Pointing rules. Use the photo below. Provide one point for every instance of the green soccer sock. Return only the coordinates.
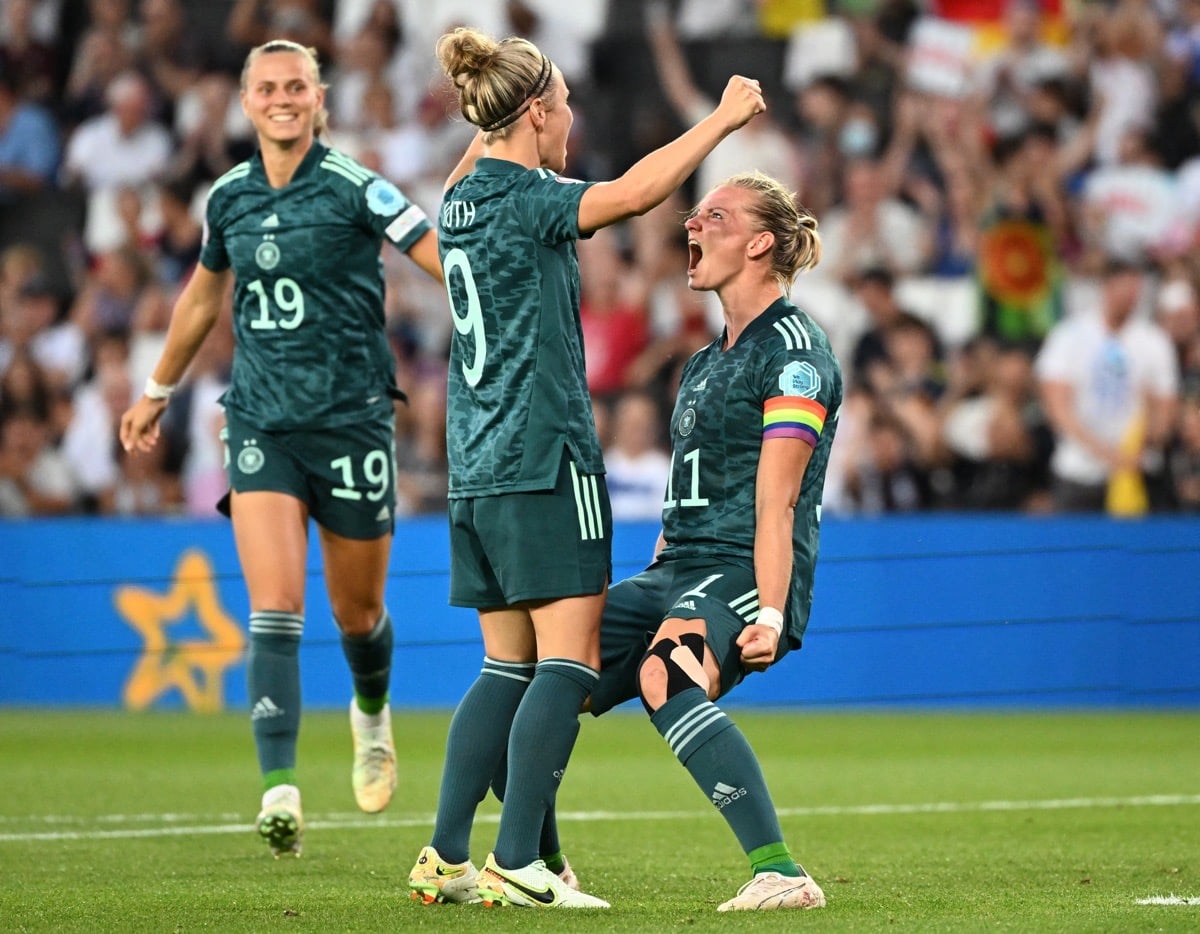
(475, 747)
(721, 762)
(370, 660)
(273, 687)
(549, 847)
(543, 735)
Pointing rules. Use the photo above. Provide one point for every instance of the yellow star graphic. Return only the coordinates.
(196, 667)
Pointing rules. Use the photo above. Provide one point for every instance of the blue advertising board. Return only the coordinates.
(961, 611)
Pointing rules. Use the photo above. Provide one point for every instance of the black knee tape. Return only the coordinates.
(677, 679)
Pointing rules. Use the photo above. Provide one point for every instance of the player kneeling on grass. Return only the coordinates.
(730, 588)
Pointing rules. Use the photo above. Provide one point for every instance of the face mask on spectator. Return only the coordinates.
(857, 138)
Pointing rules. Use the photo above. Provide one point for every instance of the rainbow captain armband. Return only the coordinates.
(794, 417)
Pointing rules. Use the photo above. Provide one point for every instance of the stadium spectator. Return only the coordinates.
(58, 346)
(1128, 207)
(28, 61)
(421, 469)
(887, 478)
(213, 133)
(1183, 463)
(764, 146)
(115, 293)
(871, 228)
(253, 22)
(106, 49)
(1022, 233)
(25, 386)
(122, 148)
(90, 443)
(995, 429)
(611, 313)
(1009, 76)
(34, 478)
(29, 147)
(171, 52)
(1110, 388)
(636, 468)
(176, 247)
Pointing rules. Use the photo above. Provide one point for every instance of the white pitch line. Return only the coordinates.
(1168, 900)
(180, 827)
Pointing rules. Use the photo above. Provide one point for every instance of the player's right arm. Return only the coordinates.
(195, 313)
(650, 180)
(466, 165)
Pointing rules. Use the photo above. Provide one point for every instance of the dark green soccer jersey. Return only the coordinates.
(517, 387)
(308, 300)
(780, 379)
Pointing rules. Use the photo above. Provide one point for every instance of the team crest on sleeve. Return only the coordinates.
(383, 197)
(800, 379)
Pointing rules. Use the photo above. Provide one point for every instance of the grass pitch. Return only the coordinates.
(911, 822)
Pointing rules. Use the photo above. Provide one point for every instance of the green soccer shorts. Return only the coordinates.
(542, 545)
(717, 591)
(345, 475)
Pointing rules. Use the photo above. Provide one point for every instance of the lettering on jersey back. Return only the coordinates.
(458, 214)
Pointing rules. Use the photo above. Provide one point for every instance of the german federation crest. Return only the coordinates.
(250, 458)
(687, 421)
(800, 379)
(267, 255)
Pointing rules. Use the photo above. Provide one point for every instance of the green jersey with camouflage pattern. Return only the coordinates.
(780, 379)
(308, 297)
(517, 387)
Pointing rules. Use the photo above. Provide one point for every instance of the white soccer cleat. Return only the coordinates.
(434, 880)
(532, 886)
(374, 773)
(280, 822)
(768, 891)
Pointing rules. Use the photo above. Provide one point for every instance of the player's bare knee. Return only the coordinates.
(671, 667)
(355, 619)
(277, 603)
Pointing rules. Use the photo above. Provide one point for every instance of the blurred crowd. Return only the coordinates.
(1008, 194)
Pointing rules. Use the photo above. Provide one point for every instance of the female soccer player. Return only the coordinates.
(731, 585)
(309, 411)
(529, 515)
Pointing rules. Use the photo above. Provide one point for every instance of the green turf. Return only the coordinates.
(858, 792)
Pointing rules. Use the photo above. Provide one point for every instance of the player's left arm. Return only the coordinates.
(387, 211)
(798, 386)
(425, 254)
(781, 467)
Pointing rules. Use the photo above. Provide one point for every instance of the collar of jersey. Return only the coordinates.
(316, 152)
(780, 308)
(498, 166)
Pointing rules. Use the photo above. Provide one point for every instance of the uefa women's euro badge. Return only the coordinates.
(800, 379)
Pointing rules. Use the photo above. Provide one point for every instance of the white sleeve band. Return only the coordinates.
(769, 616)
(157, 391)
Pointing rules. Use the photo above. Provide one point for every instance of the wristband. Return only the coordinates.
(157, 391)
(769, 616)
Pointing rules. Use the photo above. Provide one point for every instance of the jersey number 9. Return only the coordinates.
(472, 321)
